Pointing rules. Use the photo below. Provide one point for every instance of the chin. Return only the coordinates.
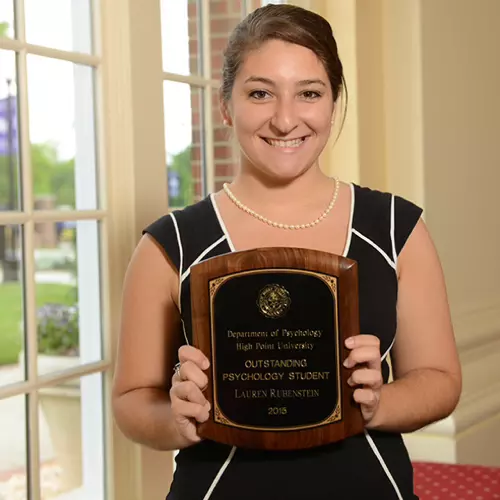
(283, 175)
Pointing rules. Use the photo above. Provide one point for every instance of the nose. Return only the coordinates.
(285, 117)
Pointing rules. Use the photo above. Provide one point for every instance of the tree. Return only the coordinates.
(51, 177)
(181, 165)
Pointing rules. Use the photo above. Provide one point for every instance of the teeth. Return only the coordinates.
(285, 144)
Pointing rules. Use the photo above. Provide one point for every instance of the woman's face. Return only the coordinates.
(281, 109)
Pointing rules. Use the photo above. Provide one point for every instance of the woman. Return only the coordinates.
(282, 83)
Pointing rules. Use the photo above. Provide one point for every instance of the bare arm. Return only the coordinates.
(147, 351)
(427, 375)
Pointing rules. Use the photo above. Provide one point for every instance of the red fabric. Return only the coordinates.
(456, 482)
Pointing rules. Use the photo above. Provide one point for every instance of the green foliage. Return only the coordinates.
(58, 332)
(50, 176)
(4, 27)
(181, 163)
(11, 313)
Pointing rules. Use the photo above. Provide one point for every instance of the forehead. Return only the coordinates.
(281, 61)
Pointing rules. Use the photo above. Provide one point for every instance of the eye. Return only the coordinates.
(259, 94)
(311, 95)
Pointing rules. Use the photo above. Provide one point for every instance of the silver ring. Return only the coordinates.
(177, 369)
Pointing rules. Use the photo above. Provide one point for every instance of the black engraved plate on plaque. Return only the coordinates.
(275, 346)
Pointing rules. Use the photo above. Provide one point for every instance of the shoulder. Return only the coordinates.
(182, 233)
(196, 212)
(385, 218)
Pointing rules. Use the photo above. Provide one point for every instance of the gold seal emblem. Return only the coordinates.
(274, 301)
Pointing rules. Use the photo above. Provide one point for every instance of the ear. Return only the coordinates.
(224, 111)
(333, 116)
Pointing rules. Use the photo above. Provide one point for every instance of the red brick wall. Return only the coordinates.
(224, 16)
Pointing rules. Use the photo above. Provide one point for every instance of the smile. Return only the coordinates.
(292, 143)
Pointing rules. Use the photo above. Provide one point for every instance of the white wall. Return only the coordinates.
(423, 122)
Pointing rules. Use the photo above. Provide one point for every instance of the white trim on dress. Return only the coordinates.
(181, 253)
(351, 218)
(221, 222)
(181, 260)
(202, 254)
(375, 450)
(374, 245)
(393, 240)
(219, 474)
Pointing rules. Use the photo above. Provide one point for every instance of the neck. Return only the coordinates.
(270, 195)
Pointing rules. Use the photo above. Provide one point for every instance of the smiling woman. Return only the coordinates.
(285, 110)
(282, 83)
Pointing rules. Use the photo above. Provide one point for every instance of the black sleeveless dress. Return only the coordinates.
(372, 465)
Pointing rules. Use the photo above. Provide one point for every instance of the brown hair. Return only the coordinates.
(290, 24)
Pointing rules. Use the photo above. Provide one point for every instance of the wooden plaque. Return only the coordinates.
(272, 322)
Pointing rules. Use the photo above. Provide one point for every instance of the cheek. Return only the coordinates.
(318, 121)
(247, 122)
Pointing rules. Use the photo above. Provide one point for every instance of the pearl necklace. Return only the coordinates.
(278, 224)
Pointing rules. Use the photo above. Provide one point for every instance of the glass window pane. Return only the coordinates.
(62, 131)
(184, 144)
(71, 440)
(181, 40)
(7, 19)
(9, 143)
(226, 149)
(13, 449)
(59, 24)
(224, 16)
(68, 294)
(11, 305)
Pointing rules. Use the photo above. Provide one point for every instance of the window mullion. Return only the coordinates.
(31, 358)
(33, 447)
(20, 20)
(196, 80)
(208, 142)
(30, 343)
(247, 7)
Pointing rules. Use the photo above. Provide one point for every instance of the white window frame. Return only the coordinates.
(123, 30)
(28, 217)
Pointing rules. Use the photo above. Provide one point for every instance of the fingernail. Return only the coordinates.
(205, 364)
(347, 363)
(349, 342)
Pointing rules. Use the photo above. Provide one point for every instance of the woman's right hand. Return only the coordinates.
(188, 402)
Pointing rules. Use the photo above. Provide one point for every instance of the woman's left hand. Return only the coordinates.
(365, 351)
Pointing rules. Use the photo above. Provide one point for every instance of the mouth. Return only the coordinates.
(288, 144)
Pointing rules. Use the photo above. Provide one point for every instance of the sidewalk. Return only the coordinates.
(13, 427)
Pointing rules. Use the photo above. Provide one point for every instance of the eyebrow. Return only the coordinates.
(267, 81)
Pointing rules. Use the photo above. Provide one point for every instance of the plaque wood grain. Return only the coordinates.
(348, 325)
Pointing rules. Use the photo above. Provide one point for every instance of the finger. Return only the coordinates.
(176, 379)
(188, 391)
(362, 341)
(367, 377)
(366, 397)
(191, 410)
(368, 355)
(190, 371)
(176, 376)
(190, 353)
(188, 429)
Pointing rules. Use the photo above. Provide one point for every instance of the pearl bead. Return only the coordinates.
(281, 225)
